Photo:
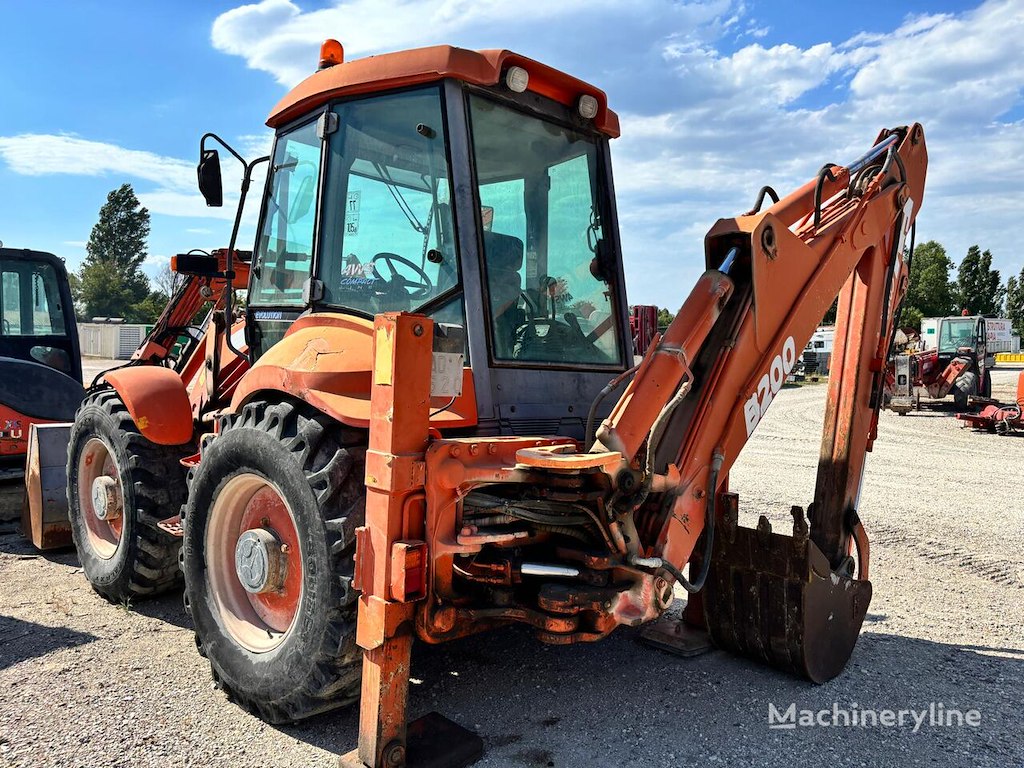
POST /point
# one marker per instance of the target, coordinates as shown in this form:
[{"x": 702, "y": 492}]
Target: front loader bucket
[{"x": 775, "y": 598}]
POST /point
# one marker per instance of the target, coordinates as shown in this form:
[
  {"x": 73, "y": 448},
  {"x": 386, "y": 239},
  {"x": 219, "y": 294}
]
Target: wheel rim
[
  {"x": 254, "y": 563},
  {"x": 101, "y": 497}
]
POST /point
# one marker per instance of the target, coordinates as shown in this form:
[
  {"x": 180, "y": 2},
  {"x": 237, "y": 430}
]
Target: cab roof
[
  {"x": 425, "y": 65},
  {"x": 27, "y": 254}
]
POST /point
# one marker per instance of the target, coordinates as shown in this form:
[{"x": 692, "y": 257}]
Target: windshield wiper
[{"x": 402, "y": 204}]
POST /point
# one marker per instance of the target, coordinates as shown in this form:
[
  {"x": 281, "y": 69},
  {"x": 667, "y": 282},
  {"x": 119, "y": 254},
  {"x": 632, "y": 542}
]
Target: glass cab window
[
  {"x": 540, "y": 213},
  {"x": 956, "y": 333},
  {"x": 285, "y": 248},
  {"x": 30, "y": 300},
  {"x": 389, "y": 241}
]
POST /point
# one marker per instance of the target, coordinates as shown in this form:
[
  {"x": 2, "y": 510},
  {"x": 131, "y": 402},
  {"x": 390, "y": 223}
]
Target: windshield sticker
[{"x": 352, "y": 213}]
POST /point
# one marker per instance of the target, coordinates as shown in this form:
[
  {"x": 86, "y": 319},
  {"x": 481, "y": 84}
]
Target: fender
[
  {"x": 156, "y": 400},
  {"x": 325, "y": 360}
]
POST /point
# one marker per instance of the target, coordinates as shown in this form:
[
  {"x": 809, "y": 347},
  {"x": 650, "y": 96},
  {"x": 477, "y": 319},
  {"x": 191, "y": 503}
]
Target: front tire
[
  {"x": 120, "y": 485},
  {"x": 268, "y": 560},
  {"x": 965, "y": 386}
]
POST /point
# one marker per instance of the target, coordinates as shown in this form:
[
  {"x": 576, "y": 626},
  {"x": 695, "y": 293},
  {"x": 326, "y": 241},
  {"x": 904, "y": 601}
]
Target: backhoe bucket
[{"x": 776, "y": 599}]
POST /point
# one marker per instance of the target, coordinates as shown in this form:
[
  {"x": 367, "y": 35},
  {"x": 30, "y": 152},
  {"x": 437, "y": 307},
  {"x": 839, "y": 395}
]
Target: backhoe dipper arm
[{"x": 702, "y": 388}]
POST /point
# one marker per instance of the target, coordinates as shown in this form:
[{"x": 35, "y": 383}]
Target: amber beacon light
[{"x": 331, "y": 53}]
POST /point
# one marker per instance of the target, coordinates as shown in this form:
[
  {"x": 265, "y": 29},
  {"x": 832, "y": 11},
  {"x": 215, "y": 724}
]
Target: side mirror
[{"x": 208, "y": 172}]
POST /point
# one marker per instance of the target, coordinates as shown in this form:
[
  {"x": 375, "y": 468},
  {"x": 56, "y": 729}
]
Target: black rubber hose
[{"x": 709, "y": 538}]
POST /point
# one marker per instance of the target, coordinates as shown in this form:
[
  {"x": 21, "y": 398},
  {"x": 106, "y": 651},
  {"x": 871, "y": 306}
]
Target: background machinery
[
  {"x": 40, "y": 365},
  {"x": 959, "y": 364},
  {"x": 421, "y": 438},
  {"x": 995, "y": 417},
  {"x": 40, "y": 377}
]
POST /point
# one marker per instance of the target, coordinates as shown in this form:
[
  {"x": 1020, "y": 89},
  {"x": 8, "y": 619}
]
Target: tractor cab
[
  {"x": 960, "y": 333},
  {"x": 472, "y": 187},
  {"x": 40, "y": 366},
  {"x": 37, "y": 318},
  {"x": 967, "y": 337}
]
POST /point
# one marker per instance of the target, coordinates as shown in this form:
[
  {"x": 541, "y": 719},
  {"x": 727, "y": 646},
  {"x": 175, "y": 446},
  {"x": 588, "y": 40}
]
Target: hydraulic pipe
[{"x": 664, "y": 368}]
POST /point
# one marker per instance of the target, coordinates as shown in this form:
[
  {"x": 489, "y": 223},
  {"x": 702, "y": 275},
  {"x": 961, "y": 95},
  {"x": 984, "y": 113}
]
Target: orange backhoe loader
[{"x": 424, "y": 441}]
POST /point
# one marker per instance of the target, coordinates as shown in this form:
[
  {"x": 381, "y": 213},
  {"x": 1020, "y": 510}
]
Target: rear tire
[
  {"x": 125, "y": 556},
  {"x": 295, "y": 477},
  {"x": 986, "y": 387}
]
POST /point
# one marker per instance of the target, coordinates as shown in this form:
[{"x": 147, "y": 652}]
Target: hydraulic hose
[
  {"x": 709, "y": 537},
  {"x": 589, "y": 436}
]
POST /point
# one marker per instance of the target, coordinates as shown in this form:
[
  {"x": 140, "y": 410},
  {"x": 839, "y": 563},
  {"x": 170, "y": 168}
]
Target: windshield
[
  {"x": 285, "y": 247},
  {"x": 30, "y": 299},
  {"x": 956, "y": 333},
  {"x": 389, "y": 240},
  {"x": 538, "y": 190}
]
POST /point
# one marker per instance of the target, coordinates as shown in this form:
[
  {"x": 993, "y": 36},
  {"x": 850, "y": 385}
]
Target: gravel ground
[{"x": 85, "y": 683}]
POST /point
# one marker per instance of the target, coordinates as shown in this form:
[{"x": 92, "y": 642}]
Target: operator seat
[{"x": 504, "y": 257}]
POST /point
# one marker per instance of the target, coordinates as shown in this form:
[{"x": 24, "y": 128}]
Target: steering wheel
[{"x": 416, "y": 290}]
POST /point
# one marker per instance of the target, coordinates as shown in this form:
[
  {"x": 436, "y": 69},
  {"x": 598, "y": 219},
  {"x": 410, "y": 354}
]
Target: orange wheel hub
[
  {"x": 100, "y": 497},
  {"x": 254, "y": 562}
]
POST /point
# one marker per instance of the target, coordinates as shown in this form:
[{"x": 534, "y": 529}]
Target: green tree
[
  {"x": 149, "y": 309},
  {"x": 664, "y": 317},
  {"x": 930, "y": 293},
  {"x": 112, "y": 281},
  {"x": 978, "y": 287},
  {"x": 910, "y": 317},
  {"x": 1015, "y": 302}
]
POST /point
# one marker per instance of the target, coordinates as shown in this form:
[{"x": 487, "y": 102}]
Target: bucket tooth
[
  {"x": 775, "y": 598},
  {"x": 800, "y": 528}
]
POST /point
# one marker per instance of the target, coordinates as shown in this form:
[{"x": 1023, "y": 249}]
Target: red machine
[
  {"x": 1001, "y": 419},
  {"x": 958, "y": 365},
  {"x": 643, "y": 323},
  {"x": 40, "y": 365},
  {"x": 351, "y": 431}
]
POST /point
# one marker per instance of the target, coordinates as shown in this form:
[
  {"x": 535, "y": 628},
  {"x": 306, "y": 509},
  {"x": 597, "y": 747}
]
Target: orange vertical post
[{"x": 399, "y": 412}]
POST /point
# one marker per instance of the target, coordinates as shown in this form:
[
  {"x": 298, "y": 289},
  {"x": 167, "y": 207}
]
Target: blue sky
[{"x": 716, "y": 98}]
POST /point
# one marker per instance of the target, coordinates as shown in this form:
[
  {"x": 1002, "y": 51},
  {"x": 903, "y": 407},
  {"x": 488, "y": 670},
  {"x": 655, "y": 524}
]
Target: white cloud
[
  {"x": 174, "y": 191},
  {"x": 276, "y": 36},
  {"x": 254, "y": 145},
  {"x": 34, "y": 154},
  {"x": 774, "y": 115},
  {"x": 704, "y": 129}
]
